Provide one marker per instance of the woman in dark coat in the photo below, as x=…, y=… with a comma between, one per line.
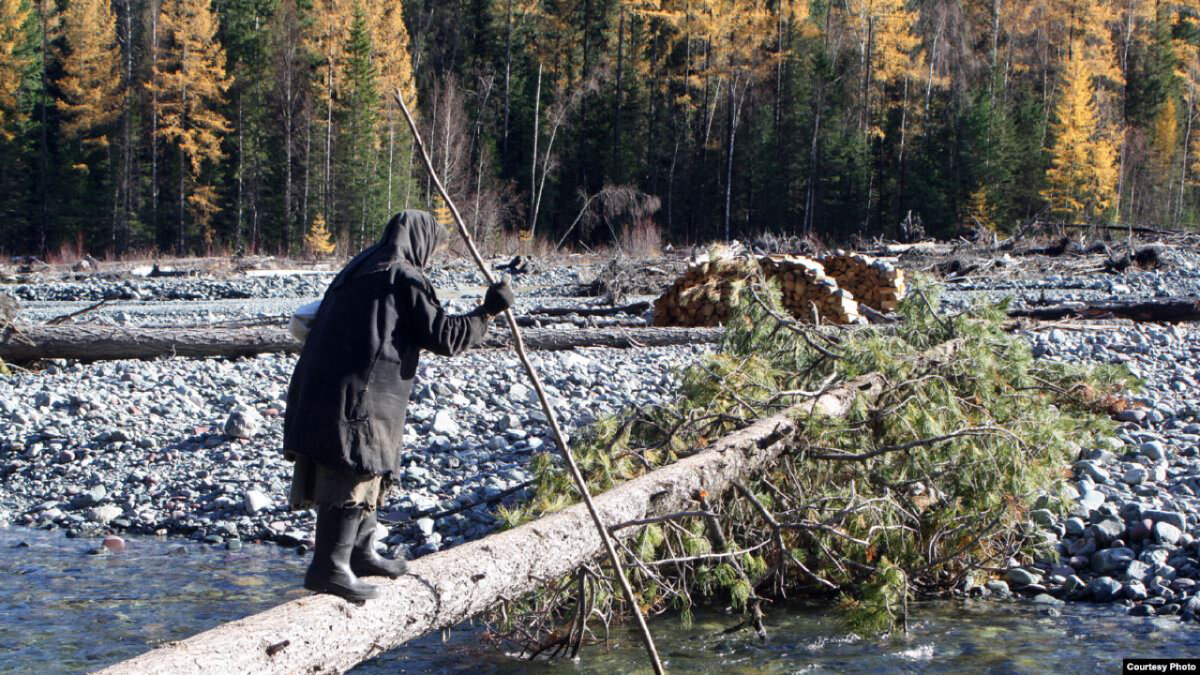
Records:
x=346, y=402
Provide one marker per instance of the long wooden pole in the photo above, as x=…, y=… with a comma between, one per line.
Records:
x=535, y=380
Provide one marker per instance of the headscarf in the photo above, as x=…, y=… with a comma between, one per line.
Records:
x=410, y=239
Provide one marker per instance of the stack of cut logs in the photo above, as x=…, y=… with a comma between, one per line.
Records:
x=875, y=283
x=805, y=286
x=703, y=294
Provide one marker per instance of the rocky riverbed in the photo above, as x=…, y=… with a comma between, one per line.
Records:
x=1131, y=530
x=191, y=447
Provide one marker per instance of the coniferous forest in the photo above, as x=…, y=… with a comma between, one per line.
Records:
x=199, y=126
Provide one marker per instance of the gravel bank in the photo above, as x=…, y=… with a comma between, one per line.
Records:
x=1131, y=531
x=1180, y=277
x=191, y=447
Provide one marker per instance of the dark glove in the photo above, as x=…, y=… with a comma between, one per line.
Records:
x=499, y=298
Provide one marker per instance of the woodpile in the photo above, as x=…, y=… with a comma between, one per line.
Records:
x=805, y=285
x=703, y=294
x=875, y=283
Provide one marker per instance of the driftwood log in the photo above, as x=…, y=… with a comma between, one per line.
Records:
x=1161, y=309
x=96, y=343
x=323, y=633
x=632, y=308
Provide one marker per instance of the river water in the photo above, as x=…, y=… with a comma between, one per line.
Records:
x=63, y=610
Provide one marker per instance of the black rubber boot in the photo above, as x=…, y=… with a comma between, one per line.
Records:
x=365, y=560
x=329, y=571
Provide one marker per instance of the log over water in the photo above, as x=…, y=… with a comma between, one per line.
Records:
x=324, y=633
x=96, y=343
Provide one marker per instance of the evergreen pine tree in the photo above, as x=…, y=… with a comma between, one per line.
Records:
x=362, y=208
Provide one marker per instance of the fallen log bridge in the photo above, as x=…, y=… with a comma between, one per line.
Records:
x=322, y=633
x=96, y=343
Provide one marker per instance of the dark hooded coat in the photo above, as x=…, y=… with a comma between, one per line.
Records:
x=347, y=399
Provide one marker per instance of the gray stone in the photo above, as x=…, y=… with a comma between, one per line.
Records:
x=425, y=525
x=444, y=424
x=1092, y=470
x=1107, y=530
x=1091, y=499
x=1075, y=526
x=1020, y=577
x=254, y=501
x=1154, y=450
x=1072, y=584
x=1135, y=590
x=1134, y=415
x=1137, y=570
x=1043, y=517
x=1166, y=533
x=1135, y=476
x=1173, y=517
x=104, y=514
x=1084, y=546
x=1104, y=589
x=243, y=422
x=1111, y=560
x=999, y=588
x=92, y=496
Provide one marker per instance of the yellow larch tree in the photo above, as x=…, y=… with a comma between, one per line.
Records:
x=1082, y=178
x=889, y=51
x=13, y=15
x=327, y=39
x=90, y=86
x=190, y=82
x=730, y=39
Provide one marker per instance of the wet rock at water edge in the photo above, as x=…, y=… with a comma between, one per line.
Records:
x=998, y=588
x=1020, y=577
x=104, y=514
x=1104, y=589
x=1141, y=610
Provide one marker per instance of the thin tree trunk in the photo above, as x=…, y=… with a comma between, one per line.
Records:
x=1183, y=165
x=158, y=234
x=732, y=128
x=617, y=173
x=507, y=78
x=289, y=143
x=533, y=196
x=327, y=197
x=305, y=216
x=241, y=168
x=44, y=135
x=391, y=158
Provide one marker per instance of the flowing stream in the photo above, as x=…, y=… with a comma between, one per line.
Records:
x=67, y=611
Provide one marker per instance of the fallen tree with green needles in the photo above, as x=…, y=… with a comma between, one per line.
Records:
x=866, y=467
x=917, y=491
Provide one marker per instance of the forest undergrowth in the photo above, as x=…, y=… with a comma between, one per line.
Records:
x=918, y=492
